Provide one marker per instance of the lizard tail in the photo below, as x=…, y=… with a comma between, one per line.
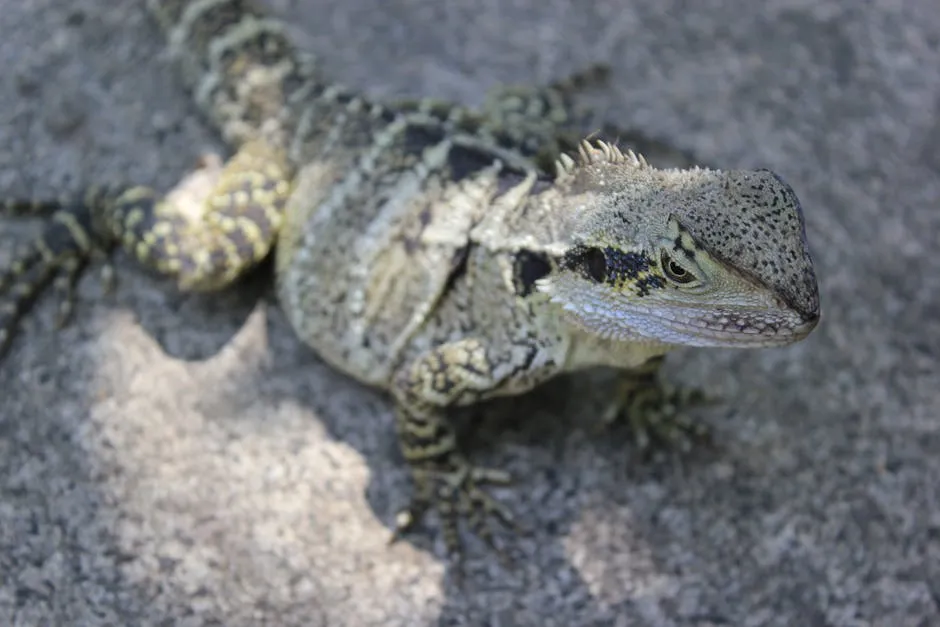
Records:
x=242, y=69
x=60, y=253
x=222, y=218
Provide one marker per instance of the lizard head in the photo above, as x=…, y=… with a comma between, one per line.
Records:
x=693, y=257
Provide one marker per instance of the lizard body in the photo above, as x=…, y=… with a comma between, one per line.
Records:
x=421, y=248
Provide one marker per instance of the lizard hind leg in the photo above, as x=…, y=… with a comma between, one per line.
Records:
x=217, y=223
x=214, y=225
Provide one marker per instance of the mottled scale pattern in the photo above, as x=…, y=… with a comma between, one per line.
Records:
x=240, y=66
x=442, y=254
x=537, y=121
x=268, y=101
x=218, y=222
x=766, y=212
x=359, y=316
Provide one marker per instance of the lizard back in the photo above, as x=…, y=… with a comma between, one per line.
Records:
x=374, y=235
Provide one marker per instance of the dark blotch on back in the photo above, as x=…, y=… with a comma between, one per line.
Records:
x=465, y=161
x=418, y=137
x=509, y=178
x=462, y=161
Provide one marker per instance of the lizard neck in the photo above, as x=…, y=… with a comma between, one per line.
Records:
x=586, y=350
x=527, y=215
x=527, y=225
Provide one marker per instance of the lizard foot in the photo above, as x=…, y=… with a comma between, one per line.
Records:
x=656, y=413
x=454, y=488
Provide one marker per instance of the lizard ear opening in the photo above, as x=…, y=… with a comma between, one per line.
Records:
x=528, y=268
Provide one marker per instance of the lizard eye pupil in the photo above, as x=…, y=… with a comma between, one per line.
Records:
x=595, y=262
x=674, y=271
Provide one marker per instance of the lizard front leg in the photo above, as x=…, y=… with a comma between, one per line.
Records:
x=443, y=479
x=655, y=410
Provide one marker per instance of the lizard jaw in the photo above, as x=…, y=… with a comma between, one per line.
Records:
x=687, y=326
x=732, y=328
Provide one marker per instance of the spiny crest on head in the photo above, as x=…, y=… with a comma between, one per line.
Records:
x=598, y=152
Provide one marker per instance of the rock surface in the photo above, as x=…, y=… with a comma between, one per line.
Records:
x=182, y=460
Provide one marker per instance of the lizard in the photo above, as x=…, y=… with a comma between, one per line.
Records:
x=422, y=250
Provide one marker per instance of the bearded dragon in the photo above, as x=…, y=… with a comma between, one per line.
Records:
x=422, y=250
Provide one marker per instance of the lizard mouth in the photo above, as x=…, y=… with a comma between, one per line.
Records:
x=686, y=326
x=741, y=329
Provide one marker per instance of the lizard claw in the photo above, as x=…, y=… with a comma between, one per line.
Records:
x=455, y=491
x=657, y=415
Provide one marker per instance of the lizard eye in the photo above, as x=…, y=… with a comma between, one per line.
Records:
x=595, y=264
x=673, y=271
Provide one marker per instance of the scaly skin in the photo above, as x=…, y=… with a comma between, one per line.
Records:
x=538, y=121
x=430, y=251
x=207, y=238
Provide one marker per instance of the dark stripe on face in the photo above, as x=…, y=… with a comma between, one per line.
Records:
x=607, y=265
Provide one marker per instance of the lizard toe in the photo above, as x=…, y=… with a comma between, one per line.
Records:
x=455, y=490
x=658, y=415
